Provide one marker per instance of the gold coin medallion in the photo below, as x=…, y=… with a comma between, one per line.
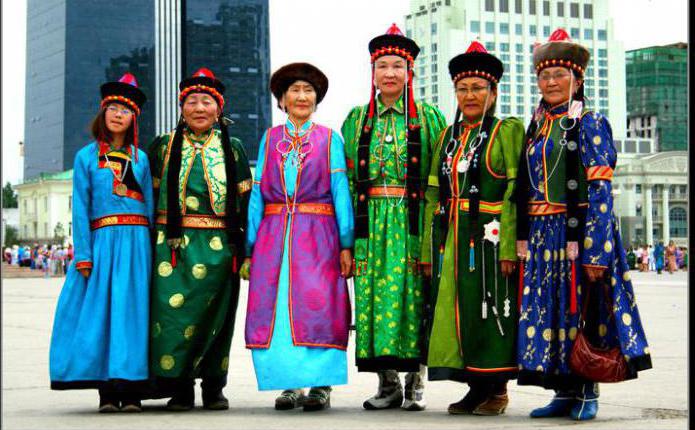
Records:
x=164, y=269
x=121, y=189
x=199, y=271
x=627, y=319
x=531, y=331
x=547, y=335
x=167, y=362
x=189, y=332
x=192, y=202
x=176, y=300
x=216, y=243
x=608, y=246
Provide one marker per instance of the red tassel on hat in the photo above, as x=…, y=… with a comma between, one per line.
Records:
x=521, y=282
x=135, y=136
x=412, y=112
x=573, y=290
x=372, y=102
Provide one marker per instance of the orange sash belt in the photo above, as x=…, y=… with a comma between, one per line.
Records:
x=544, y=208
x=302, y=208
x=110, y=220
x=486, y=207
x=196, y=221
x=390, y=191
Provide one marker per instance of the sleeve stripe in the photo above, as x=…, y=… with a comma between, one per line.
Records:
x=599, y=172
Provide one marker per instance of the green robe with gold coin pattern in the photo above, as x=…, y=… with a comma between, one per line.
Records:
x=193, y=304
x=388, y=284
x=465, y=344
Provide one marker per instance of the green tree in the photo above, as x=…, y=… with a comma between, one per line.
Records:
x=11, y=236
x=9, y=197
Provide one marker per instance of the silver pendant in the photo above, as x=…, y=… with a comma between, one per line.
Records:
x=506, y=308
x=462, y=165
x=388, y=138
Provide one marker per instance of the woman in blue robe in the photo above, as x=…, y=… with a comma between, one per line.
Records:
x=295, y=356
x=100, y=331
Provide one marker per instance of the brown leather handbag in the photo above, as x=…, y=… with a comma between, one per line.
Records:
x=594, y=363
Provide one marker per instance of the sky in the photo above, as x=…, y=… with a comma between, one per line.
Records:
x=331, y=34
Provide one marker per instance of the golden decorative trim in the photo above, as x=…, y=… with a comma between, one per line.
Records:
x=390, y=191
x=302, y=208
x=196, y=221
x=244, y=186
x=486, y=207
x=119, y=220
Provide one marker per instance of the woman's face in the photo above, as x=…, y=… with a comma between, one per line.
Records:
x=555, y=84
x=118, y=118
x=299, y=100
x=200, y=111
x=471, y=94
x=389, y=75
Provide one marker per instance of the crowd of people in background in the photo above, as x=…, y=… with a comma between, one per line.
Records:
x=647, y=258
x=52, y=260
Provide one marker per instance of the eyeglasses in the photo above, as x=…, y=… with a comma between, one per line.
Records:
x=476, y=91
x=124, y=111
x=556, y=76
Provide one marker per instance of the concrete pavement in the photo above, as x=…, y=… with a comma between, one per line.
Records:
x=657, y=399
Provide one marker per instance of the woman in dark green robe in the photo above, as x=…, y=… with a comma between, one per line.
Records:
x=473, y=327
x=195, y=285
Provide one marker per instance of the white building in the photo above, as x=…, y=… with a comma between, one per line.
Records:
x=651, y=197
x=44, y=202
x=509, y=29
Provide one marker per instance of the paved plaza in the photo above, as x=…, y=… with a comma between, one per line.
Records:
x=657, y=399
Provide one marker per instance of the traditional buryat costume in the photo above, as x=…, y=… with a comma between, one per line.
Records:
x=199, y=247
x=101, y=322
x=388, y=150
x=473, y=333
x=564, y=195
x=300, y=217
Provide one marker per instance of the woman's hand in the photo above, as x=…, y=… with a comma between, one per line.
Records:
x=245, y=270
x=572, y=250
x=507, y=267
x=85, y=272
x=521, y=249
x=346, y=263
x=594, y=274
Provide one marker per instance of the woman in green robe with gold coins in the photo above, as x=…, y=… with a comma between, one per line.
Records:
x=198, y=247
x=388, y=146
x=474, y=321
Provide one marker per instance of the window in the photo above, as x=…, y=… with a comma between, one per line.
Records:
x=603, y=83
x=491, y=46
x=603, y=63
x=574, y=33
x=506, y=109
x=489, y=27
x=602, y=35
x=678, y=219
x=588, y=11
x=520, y=110
x=574, y=10
x=422, y=92
x=435, y=89
x=602, y=93
x=475, y=26
x=435, y=100
x=517, y=6
x=504, y=88
x=518, y=29
x=546, y=30
x=504, y=5
x=434, y=68
x=532, y=7
x=520, y=79
x=489, y=5
x=505, y=59
x=519, y=47
x=546, y=7
x=519, y=68
x=504, y=47
x=588, y=34
x=520, y=99
x=519, y=57
x=45, y=203
x=434, y=28
x=25, y=206
x=602, y=53
x=638, y=211
x=434, y=47
x=560, y=9
x=506, y=98
x=638, y=189
x=520, y=88
x=602, y=73
x=504, y=28
x=532, y=31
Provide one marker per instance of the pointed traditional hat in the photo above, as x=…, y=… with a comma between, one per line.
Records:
x=394, y=42
x=560, y=51
x=124, y=91
x=202, y=81
x=477, y=62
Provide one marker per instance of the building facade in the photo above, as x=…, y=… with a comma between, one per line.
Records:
x=73, y=46
x=509, y=29
x=651, y=198
x=45, y=204
x=657, y=95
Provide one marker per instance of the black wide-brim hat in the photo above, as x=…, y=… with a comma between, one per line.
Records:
x=393, y=43
x=288, y=74
x=124, y=91
x=560, y=51
x=202, y=81
x=476, y=62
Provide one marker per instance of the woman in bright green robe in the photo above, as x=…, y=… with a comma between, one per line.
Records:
x=474, y=323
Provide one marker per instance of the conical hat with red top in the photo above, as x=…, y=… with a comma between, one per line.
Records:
x=202, y=81
x=124, y=91
x=560, y=51
x=476, y=62
x=394, y=42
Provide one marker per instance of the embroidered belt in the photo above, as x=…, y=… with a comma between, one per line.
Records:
x=544, y=208
x=390, y=191
x=486, y=207
x=302, y=208
x=110, y=220
x=196, y=221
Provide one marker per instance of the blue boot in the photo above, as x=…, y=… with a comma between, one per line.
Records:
x=586, y=405
x=559, y=407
